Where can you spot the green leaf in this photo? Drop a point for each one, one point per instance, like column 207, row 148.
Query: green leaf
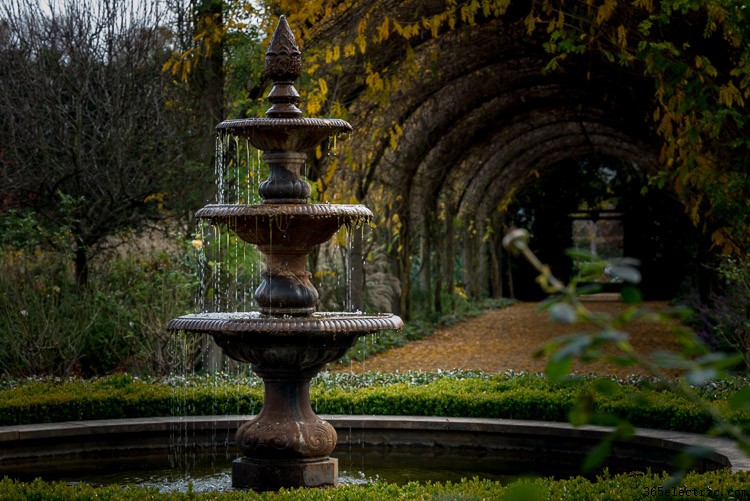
column 558, row 370
column 720, row 360
column 669, row 360
column 681, row 313
column 549, row 302
column 691, row 345
column 597, row 455
column 626, row 273
column 606, row 386
column 631, row 295
column 740, row 400
column 699, row 376
column 601, row 419
column 591, row 270
column 582, row 411
column 623, row 361
column 628, row 315
column 563, row 313
column 684, row 461
column 687, row 458
column 574, row 347
column 593, row 288
column 610, row 335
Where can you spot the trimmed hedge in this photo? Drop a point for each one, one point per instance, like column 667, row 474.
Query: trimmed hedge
column 714, row 485
column 122, row 396
column 641, row 401
column 449, row 393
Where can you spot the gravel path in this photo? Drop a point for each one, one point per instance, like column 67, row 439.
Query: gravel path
column 507, row 338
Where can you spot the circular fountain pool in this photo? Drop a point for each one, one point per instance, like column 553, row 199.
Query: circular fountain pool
column 209, row 469
column 172, row 453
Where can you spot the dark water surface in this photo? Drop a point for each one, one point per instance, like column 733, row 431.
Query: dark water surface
column 210, row 470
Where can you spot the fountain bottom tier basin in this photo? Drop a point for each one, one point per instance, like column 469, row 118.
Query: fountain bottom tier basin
column 287, row 444
column 253, row 323
column 194, row 450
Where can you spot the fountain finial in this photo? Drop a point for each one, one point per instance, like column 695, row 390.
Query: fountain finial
column 283, row 66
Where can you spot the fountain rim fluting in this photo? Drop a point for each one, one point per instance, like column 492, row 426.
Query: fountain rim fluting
column 235, row 126
column 316, row 211
column 285, row 134
column 319, row 323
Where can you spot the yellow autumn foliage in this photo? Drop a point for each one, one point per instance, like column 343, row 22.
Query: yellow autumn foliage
column 620, row 31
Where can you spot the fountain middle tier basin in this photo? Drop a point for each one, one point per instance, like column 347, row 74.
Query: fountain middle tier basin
column 282, row 342
column 289, row 134
column 285, row 226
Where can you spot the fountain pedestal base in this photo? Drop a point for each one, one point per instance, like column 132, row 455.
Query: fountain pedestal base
column 260, row 475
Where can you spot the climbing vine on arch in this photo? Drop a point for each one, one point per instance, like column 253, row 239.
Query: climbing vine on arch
column 697, row 55
column 363, row 59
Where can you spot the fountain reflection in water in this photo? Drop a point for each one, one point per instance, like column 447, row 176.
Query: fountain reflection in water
column 208, row 470
column 286, row 341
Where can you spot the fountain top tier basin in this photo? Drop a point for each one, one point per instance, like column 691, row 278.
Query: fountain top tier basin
column 285, row 134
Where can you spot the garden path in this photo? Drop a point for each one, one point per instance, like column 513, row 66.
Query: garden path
column 507, row 339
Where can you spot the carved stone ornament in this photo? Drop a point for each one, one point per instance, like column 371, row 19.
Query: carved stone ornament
column 283, row 57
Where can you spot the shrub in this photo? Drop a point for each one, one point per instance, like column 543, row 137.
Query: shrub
column 446, row 393
column 723, row 322
column 123, row 396
column 53, row 327
column 643, row 401
column 714, row 485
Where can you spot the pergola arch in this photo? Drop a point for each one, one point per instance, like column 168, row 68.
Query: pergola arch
column 468, row 142
column 512, row 174
column 482, row 124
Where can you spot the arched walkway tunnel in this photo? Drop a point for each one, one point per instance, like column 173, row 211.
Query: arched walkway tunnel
column 600, row 205
column 449, row 154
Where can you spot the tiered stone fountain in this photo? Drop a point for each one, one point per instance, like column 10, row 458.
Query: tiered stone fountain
column 287, row 342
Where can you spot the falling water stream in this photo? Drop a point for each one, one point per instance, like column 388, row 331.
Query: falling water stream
column 229, row 271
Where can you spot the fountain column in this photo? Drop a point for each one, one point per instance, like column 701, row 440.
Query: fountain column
column 287, row 444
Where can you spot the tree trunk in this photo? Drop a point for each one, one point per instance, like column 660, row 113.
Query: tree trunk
column 426, row 271
column 404, row 261
column 483, row 262
column 496, row 286
column 81, row 265
column 509, row 270
column 393, row 263
column 471, row 263
column 405, row 307
column 449, row 256
column 438, row 273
